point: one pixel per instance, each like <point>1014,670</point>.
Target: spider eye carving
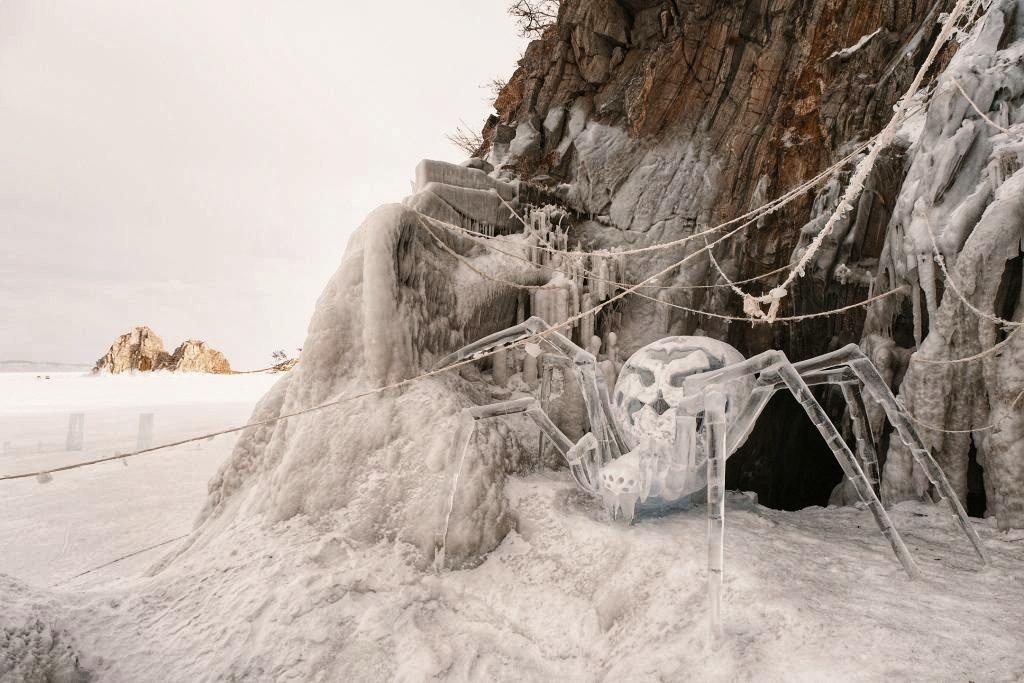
<point>646,376</point>
<point>677,379</point>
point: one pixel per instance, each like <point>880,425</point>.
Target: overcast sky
<point>198,165</point>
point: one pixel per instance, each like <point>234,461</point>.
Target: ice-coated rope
<point>941,260</point>
<point>589,273</point>
<point>757,213</point>
<point>119,559</point>
<point>983,114</point>
<point>991,425</point>
<point>719,316</point>
<point>968,359</point>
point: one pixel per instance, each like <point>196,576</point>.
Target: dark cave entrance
<point>785,460</point>
<point>977,502</point>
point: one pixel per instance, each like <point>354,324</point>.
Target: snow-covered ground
<point>811,595</point>
<point>89,516</point>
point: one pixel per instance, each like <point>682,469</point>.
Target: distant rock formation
<point>143,351</point>
<point>198,356</point>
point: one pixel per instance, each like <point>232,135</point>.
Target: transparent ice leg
<point>715,438</point>
<point>848,462</point>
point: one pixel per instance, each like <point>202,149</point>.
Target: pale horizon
<point>199,169</point>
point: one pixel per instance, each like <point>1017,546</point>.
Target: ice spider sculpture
<point>682,405</point>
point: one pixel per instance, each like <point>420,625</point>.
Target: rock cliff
<point>138,350</point>
<point>198,356</point>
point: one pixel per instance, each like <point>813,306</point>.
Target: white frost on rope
<point>847,52</point>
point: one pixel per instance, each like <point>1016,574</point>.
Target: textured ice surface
<point>965,190</point>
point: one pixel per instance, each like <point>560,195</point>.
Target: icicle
<point>441,540</point>
<point>602,279</point>
<point>500,369</point>
<point>530,369</point>
<point>587,322</point>
<point>926,275</point>
<point>561,302</point>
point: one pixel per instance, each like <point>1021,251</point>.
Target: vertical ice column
<point>601,279</point>
<point>500,363</point>
<point>467,427</point>
<point>612,348</point>
<point>587,321</point>
<point>76,432</point>
<point>530,370</point>
<point>145,438</point>
<point>714,421</point>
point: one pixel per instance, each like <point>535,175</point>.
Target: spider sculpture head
<point>650,394</point>
<point>660,422</point>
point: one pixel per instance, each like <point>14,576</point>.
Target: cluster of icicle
<point>581,282</point>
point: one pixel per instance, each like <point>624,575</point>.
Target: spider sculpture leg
<point>576,455</point>
<point>595,392</point>
<point>774,372</point>
<point>862,431</point>
<point>852,357</point>
<point>715,439</point>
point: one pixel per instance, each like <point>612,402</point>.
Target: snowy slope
<point>568,596</point>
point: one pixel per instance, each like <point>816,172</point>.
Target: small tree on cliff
<point>534,16</point>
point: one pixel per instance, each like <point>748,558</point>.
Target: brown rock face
<point>139,350</point>
<point>198,356</point>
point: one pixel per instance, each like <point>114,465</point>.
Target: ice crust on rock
<point>380,466</point>
<point>964,194</point>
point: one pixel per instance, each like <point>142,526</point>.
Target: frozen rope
<point>754,305</point>
<point>469,265</point>
<point>119,559</point>
<point>731,318</point>
<point>982,114</point>
<point>978,356</point>
<point>43,474</point>
<point>759,212</point>
<point>941,260</point>
<point>488,243</point>
<point>991,425</point>
<point>781,318</point>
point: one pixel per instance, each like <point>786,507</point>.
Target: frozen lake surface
<point>86,517</point>
<point>810,595</point>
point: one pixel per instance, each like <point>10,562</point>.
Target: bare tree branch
<point>466,139</point>
<point>534,16</point>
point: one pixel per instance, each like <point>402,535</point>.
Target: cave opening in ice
<point>785,461</point>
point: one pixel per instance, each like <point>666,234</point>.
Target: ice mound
<point>385,462</point>
<point>31,647</point>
